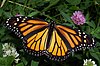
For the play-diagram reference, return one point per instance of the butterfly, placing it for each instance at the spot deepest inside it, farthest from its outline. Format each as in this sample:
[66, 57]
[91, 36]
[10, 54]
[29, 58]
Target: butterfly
[54, 41]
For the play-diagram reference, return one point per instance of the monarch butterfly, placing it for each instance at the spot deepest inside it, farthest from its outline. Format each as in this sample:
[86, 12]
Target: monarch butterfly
[43, 38]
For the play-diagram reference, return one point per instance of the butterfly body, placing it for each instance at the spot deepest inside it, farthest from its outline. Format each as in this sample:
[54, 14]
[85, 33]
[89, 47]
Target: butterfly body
[50, 28]
[43, 38]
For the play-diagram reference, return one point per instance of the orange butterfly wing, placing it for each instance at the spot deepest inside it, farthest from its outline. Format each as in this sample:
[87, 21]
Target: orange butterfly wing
[54, 41]
[32, 31]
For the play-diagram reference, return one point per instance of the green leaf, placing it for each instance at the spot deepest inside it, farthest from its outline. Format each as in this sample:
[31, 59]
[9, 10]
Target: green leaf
[78, 56]
[96, 32]
[63, 7]
[92, 24]
[6, 37]
[33, 63]
[19, 10]
[97, 36]
[1, 12]
[2, 61]
[95, 55]
[87, 17]
[52, 3]
[2, 32]
[20, 64]
[24, 60]
[21, 1]
[65, 16]
[97, 44]
[7, 14]
[6, 61]
[33, 14]
[74, 2]
[67, 24]
[1, 52]
[74, 8]
[86, 4]
[9, 60]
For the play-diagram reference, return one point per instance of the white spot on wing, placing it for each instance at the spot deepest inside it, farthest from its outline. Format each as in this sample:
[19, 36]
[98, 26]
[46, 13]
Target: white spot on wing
[15, 23]
[6, 21]
[17, 19]
[83, 32]
[20, 17]
[7, 24]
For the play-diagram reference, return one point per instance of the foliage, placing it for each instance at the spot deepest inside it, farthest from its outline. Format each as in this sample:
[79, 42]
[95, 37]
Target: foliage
[59, 11]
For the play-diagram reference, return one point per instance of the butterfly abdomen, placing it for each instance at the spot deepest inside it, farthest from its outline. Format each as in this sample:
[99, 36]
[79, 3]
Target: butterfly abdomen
[51, 28]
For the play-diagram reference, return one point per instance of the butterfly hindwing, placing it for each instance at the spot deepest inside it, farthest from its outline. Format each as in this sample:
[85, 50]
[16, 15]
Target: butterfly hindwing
[57, 50]
[36, 44]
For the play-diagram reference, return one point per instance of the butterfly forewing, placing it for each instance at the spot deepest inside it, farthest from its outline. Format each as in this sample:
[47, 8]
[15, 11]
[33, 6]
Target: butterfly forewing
[74, 39]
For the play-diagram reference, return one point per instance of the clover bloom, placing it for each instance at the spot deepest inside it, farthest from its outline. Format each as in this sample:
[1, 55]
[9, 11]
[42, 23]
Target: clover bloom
[9, 50]
[89, 62]
[78, 18]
